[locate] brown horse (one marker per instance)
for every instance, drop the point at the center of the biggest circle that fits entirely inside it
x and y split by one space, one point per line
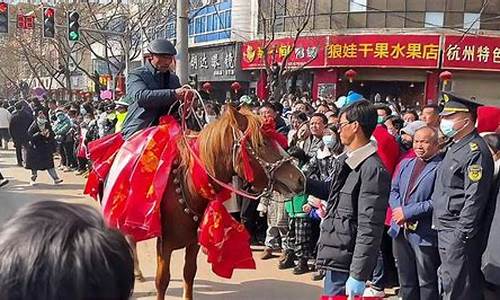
219 151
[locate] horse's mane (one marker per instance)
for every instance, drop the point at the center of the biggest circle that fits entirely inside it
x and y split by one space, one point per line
216 140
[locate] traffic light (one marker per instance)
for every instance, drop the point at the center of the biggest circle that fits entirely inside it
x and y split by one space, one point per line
4 17
73 26
49 22
193 81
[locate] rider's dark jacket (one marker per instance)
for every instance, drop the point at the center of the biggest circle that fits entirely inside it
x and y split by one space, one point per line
152 94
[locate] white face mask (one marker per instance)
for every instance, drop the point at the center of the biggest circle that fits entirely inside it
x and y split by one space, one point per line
210 118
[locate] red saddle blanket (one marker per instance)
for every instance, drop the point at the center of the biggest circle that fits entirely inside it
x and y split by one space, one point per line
136 172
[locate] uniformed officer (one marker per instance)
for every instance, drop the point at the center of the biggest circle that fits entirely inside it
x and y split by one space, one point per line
153 89
460 196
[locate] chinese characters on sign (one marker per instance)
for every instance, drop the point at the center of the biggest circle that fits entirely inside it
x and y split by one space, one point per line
420 51
472 52
308 50
214 63
383 51
377 50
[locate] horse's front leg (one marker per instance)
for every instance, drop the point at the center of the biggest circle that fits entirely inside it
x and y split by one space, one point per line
190 267
137 269
164 253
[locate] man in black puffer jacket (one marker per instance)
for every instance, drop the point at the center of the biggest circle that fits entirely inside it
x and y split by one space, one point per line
357 200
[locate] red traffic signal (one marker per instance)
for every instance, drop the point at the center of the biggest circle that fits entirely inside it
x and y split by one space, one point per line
3 7
49 12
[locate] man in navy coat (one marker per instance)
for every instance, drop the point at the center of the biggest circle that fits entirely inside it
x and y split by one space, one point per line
153 88
415 242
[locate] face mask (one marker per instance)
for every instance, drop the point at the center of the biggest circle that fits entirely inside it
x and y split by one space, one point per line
329 141
60 117
380 120
447 128
41 121
210 118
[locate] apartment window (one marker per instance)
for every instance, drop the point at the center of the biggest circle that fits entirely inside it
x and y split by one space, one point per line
472 20
434 19
210 23
357 5
228 19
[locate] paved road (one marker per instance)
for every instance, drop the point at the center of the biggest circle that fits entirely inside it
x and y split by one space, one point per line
266 282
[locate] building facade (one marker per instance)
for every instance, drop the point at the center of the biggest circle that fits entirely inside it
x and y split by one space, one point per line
413 41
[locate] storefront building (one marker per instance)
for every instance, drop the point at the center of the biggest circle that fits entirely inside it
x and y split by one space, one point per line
220 66
400 66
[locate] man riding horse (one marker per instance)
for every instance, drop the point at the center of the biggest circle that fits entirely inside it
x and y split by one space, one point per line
159 181
153 88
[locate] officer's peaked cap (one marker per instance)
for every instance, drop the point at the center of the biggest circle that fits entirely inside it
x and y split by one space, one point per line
454 104
162 46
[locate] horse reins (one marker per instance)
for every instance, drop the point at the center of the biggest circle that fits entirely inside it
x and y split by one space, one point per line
269 168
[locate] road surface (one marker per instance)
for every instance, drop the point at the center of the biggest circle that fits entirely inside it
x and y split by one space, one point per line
266 282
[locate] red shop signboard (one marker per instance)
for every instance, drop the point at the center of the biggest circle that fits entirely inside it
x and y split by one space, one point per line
472 52
308 50
374 50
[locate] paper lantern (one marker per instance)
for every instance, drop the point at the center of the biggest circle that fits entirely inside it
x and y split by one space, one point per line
207 87
236 86
445 76
350 74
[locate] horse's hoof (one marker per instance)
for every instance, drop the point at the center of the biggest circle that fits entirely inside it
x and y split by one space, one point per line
138 276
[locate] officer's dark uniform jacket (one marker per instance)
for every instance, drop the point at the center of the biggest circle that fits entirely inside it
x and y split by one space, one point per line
152 94
357 201
462 191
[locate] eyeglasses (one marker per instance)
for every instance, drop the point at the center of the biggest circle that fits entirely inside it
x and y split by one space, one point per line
341 125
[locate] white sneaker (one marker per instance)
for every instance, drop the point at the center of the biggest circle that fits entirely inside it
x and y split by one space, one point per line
32 182
371 292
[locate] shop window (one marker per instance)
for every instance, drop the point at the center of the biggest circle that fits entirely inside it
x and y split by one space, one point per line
357 6
434 19
472 21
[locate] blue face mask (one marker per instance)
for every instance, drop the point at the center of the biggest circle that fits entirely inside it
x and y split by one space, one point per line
380 120
447 128
328 140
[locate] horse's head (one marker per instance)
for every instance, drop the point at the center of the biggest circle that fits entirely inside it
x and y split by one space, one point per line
236 144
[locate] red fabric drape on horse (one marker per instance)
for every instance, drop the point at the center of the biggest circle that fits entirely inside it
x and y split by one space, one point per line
101 153
146 161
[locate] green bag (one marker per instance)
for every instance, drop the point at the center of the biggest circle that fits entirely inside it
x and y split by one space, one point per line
294 206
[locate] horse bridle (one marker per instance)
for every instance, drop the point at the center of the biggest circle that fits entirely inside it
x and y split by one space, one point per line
269 168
